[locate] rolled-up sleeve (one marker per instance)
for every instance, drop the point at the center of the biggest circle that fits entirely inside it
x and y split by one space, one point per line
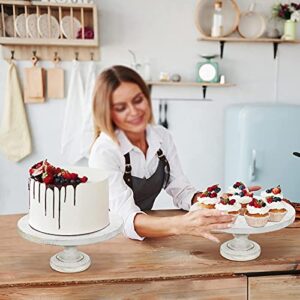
121 199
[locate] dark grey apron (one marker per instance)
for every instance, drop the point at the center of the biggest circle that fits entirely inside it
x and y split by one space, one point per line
145 190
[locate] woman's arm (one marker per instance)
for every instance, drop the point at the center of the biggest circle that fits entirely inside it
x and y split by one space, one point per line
198 223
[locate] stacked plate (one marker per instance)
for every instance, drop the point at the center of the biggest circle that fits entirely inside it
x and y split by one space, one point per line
35 26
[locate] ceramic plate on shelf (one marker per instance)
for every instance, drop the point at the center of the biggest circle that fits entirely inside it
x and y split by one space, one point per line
20 25
252 25
10 26
31 25
66 27
204 13
43 27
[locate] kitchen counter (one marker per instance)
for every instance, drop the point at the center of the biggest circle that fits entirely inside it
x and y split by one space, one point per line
182 267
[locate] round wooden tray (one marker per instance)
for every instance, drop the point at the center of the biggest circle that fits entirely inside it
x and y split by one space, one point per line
204 16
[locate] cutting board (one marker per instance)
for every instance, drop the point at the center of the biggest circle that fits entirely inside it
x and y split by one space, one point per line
56 83
34 89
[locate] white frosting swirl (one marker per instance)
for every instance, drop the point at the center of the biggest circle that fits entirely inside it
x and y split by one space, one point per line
264 194
242 200
227 207
255 210
277 205
208 200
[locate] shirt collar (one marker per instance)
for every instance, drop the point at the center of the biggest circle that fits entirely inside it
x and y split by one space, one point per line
153 139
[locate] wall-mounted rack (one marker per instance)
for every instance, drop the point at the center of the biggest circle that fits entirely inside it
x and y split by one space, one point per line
204 85
223 40
66 29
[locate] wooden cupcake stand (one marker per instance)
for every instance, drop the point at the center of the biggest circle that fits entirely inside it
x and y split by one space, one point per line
70 260
240 248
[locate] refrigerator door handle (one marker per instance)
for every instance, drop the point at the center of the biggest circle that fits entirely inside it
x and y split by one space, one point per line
252 169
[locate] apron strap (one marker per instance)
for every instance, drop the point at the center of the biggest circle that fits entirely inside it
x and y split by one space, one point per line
127 174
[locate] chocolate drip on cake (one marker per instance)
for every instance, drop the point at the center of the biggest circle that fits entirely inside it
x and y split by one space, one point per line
65 199
34 189
29 181
59 208
46 200
74 187
39 193
53 201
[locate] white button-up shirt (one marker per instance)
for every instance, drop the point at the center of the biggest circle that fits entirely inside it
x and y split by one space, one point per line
108 155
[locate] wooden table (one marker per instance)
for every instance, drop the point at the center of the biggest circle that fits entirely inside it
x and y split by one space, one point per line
182 267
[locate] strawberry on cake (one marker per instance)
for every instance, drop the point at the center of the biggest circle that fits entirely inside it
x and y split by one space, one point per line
277 206
209 198
229 205
257 213
67 202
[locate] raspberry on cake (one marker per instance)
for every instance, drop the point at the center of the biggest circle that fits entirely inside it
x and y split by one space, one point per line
67 202
277 206
209 197
257 213
231 206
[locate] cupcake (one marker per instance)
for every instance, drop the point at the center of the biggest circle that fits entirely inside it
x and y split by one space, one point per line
274 200
228 205
209 198
237 188
272 192
241 194
257 213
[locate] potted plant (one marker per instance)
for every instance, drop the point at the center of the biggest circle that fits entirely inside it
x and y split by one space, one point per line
290 12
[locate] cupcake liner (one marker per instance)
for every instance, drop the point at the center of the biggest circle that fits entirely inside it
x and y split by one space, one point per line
257 221
276 216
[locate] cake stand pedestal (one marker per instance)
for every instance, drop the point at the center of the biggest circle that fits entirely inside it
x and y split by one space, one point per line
70 260
241 248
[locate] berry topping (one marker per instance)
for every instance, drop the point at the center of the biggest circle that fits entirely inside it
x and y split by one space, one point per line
46 173
211 191
226 201
276 190
257 203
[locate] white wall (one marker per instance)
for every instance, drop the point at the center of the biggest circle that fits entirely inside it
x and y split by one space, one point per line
164 31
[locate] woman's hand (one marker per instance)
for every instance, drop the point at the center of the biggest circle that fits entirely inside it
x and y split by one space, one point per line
202 221
254 188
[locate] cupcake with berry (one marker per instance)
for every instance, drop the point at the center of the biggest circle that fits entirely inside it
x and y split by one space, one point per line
229 205
241 194
257 213
272 192
277 207
209 198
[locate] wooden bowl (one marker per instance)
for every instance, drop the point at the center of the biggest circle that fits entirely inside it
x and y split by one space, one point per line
204 16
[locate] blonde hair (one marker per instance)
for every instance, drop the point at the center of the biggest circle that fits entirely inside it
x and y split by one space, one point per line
107 82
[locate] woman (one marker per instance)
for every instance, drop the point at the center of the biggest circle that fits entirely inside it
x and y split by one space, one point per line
141 159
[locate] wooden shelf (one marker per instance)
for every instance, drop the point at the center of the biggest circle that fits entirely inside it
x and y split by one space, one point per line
204 85
245 40
223 40
199 84
23 47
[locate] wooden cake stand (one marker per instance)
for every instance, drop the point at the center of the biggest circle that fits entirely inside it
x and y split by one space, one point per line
241 248
70 260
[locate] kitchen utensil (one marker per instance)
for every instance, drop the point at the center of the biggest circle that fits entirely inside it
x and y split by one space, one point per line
43 27
159 113
34 91
165 122
204 16
66 27
252 24
20 25
31 25
296 154
55 81
10 26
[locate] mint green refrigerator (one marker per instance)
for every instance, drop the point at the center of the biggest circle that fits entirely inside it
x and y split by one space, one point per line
259 143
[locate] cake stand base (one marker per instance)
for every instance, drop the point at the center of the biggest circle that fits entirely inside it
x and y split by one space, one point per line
70 261
240 248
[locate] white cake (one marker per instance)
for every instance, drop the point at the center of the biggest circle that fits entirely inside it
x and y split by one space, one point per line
72 209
